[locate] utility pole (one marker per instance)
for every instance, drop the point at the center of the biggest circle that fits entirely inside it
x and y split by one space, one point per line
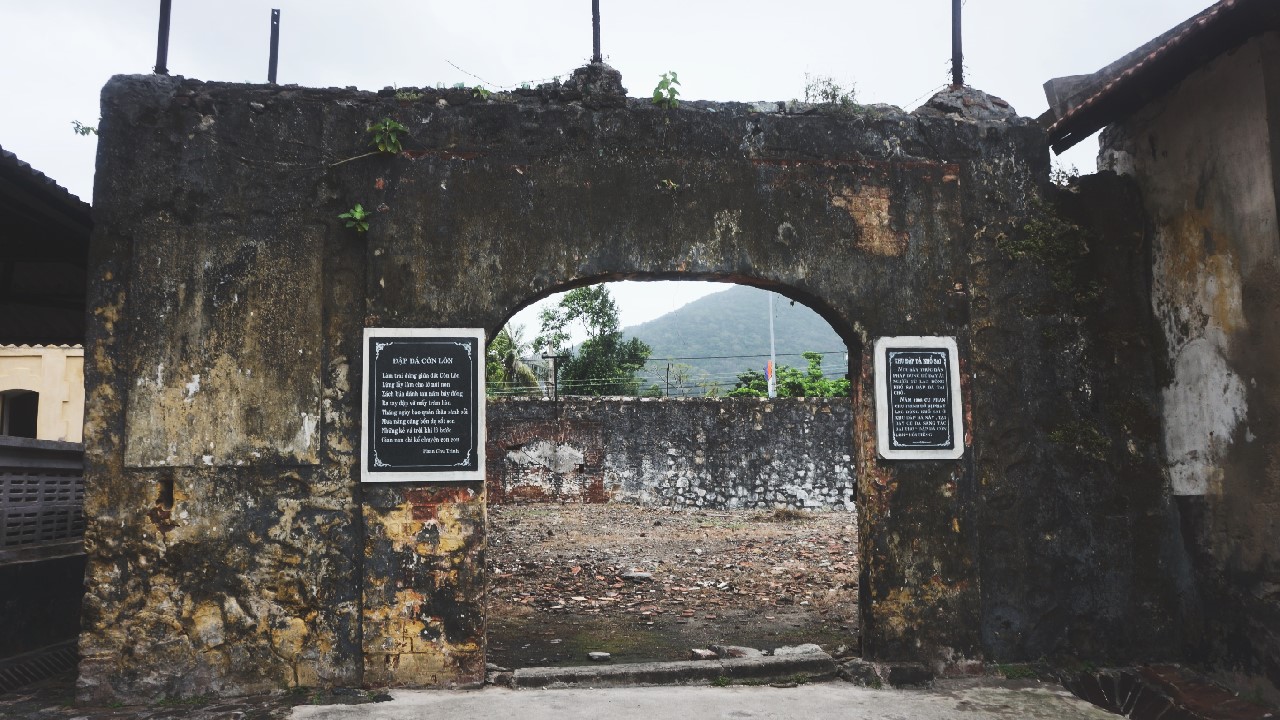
773 362
555 380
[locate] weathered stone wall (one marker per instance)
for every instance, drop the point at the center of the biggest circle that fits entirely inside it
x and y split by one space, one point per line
1206 157
687 452
231 545
1079 552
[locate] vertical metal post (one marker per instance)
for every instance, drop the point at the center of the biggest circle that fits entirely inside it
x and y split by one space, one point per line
275 47
772 380
162 39
668 379
957 51
595 32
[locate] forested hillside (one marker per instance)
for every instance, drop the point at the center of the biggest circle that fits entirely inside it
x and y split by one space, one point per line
712 339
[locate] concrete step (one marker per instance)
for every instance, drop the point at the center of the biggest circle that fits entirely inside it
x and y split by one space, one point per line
767 669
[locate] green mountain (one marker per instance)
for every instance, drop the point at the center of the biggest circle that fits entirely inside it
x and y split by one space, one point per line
718 336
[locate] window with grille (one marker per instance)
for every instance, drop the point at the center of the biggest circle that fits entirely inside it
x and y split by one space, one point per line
41 493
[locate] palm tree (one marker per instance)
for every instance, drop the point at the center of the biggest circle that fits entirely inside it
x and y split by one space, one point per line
506 371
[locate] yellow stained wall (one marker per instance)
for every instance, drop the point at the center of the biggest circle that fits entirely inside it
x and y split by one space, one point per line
57 373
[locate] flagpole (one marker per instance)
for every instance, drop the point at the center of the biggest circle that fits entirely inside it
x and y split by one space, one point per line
773 364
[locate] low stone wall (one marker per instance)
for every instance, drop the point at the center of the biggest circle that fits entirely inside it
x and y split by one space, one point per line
688 452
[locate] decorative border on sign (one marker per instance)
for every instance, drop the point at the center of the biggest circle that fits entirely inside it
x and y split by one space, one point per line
473 454
899 444
472 431
947 344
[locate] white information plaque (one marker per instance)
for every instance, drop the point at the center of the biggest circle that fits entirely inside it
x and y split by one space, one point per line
919 415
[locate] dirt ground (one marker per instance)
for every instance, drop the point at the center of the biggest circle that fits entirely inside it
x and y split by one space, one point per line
649 584
569 579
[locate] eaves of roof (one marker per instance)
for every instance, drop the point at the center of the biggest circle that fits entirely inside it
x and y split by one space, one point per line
44 221
1144 74
22 175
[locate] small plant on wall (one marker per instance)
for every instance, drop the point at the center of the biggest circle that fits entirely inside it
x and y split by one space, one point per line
665 94
386 135
357 217
823 90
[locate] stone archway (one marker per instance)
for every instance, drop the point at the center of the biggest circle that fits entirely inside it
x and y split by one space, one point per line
645 527
228 299
871 242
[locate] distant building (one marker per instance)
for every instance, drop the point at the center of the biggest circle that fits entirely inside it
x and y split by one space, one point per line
44 250
42 392
43 257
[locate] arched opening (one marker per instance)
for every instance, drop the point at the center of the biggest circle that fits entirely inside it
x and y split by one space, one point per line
19 411
693 513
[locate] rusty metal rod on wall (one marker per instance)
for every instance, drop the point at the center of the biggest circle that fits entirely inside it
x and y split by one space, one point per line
162 39
595 31
275 47
957 51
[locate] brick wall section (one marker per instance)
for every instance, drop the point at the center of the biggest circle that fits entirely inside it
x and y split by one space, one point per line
688 452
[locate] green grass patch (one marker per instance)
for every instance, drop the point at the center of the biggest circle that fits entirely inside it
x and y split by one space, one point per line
1017 672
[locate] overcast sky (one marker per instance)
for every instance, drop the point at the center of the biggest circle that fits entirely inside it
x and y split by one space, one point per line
56 55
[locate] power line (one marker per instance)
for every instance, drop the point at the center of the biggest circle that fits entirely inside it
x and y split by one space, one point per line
649 375
719 380
736 357
659 374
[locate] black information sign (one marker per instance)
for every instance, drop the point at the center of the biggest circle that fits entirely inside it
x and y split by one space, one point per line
423 413
919 395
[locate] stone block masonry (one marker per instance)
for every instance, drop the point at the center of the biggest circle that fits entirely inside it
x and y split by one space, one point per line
691 452
232 547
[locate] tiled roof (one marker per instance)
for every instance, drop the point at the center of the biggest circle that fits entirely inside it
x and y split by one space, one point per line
44 253
1142 75
16 170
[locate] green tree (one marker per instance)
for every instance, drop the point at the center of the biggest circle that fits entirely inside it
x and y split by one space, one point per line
751 383
605 363
792 382
590 308
506 372
818 385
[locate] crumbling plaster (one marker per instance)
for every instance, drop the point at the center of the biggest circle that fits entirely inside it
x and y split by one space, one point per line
1205 159
1202 158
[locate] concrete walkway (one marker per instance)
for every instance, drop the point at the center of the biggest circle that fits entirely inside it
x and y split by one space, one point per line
969 700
